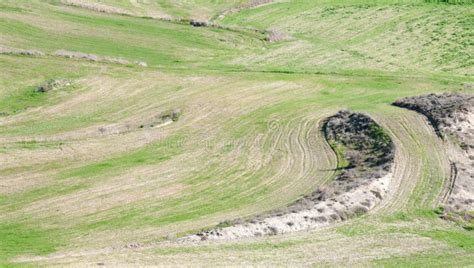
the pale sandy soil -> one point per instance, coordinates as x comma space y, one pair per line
359, 199
460, 194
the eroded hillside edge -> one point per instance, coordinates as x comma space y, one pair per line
452, 117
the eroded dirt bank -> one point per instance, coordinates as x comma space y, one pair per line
365, 158
452, 116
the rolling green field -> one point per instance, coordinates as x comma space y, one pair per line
86, 180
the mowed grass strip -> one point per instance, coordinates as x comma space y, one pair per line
222, 182
160, 43
404, 36
150, 155
18, 239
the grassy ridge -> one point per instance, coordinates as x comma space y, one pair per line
156, 42
246, 142
218, 199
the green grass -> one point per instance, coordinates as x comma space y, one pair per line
396, 37
425, 260
22, 100
30, 97
150, 155
224, 157
17, 201
159, 41
53, 125
20, 239
462, 240
32, 145
184, 9
180, 209
340, 151
9, 8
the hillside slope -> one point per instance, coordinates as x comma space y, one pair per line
118, 159
412, 38
195, 9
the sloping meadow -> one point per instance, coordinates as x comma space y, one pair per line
220, 125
